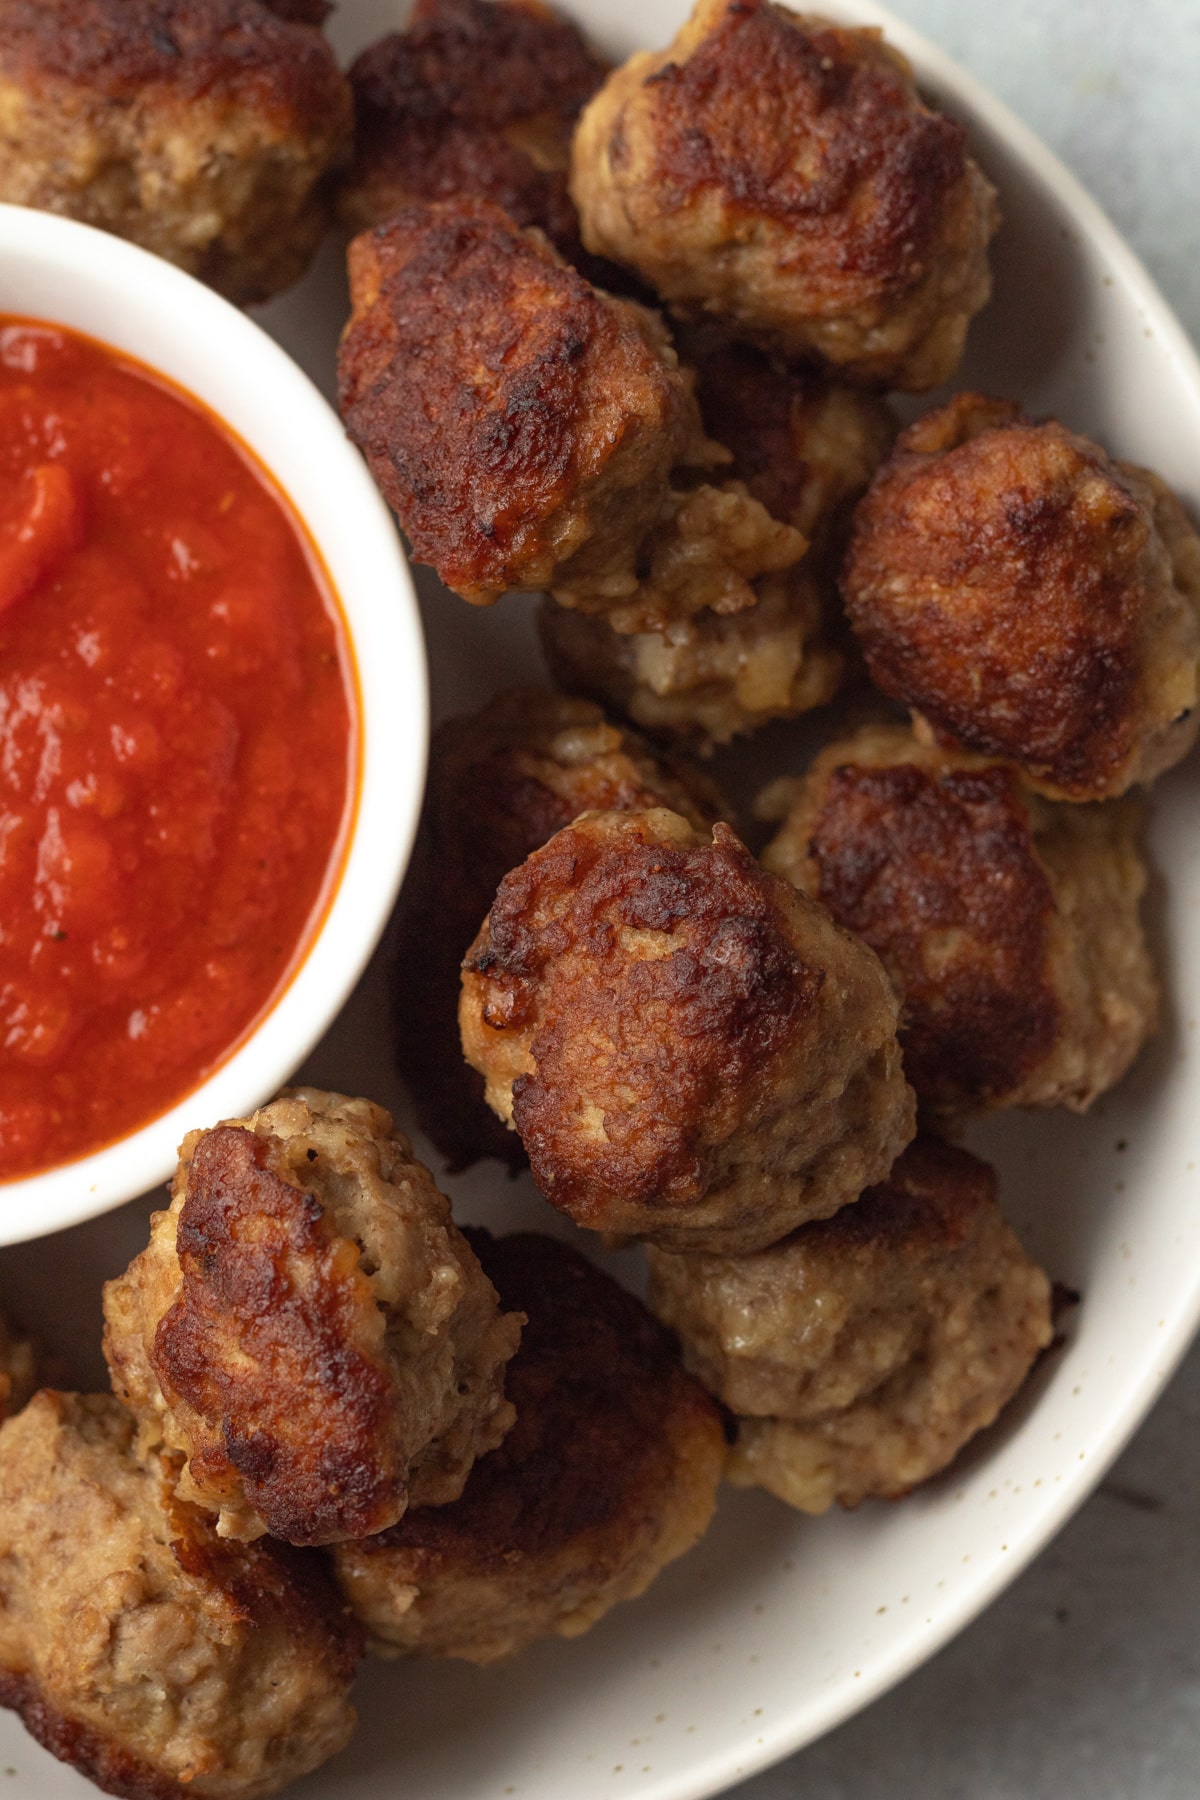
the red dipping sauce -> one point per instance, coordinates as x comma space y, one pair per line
178, 744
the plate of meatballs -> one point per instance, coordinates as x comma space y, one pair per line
751, 1198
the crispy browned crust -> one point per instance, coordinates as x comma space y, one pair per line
254, 1582
492, 391
476, 97
206, 131
863, 1351
805, 448
307, 1331
749, 406
780, 172
705, 679
903, 852
107, 1764
931, 1203
1008, 923
116, 49
501, 782
864, 201
1006, 579
96, 1543
687, 1054
268, 1579
267, 1338
596, 1382
776, 422
613, 1442
661, 1046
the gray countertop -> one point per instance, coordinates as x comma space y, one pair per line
1084, 1679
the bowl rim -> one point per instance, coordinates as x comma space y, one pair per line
253, 386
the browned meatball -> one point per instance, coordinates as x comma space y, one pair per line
780, 171
308, 1328
805, 449
705, 559
523, 425
704, 679
1030, 598
204, 130
805, 445
476, 97
16, 1371
609, 1473
690, 1049
137, 1646
1008, 924
862, 1352
501, 782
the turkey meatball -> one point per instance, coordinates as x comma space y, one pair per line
1030, 598
780, 172
16, 1371
523, 425
204, 130
475, 97
805, 449
690, 1050
805, 445
136, 1645
862, 1352
1008, 923
501, 782
707, 678
308, 1328
703, 560
610, 1472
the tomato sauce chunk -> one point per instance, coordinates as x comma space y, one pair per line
177, 744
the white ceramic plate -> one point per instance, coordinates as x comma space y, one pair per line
778, 1627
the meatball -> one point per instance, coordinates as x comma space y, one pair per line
805, 446
204, 130
17, 1375
523, 425
805, 449
691, 1050
862, 1352
780, 172
501, 782
308, 1328
705, 679
1030, 598
704, 558
135, 1644
476, 97
1008, 923
609, 1473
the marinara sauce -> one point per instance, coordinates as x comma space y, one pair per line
177, 744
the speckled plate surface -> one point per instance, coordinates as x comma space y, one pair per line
778, 1627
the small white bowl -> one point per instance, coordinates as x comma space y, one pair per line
72, 275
